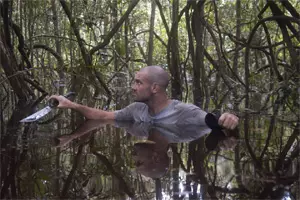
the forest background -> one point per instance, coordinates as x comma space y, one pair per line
238, 56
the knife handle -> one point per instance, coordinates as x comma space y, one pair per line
53, 103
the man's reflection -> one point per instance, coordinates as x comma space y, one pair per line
150, 157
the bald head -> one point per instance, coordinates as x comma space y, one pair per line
157, 74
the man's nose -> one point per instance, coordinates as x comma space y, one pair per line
133, 87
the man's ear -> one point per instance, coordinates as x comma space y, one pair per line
155, 87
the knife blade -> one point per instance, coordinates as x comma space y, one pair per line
53, 103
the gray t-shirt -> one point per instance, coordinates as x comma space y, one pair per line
173, 133
176, 112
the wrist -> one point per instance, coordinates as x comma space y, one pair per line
73, 106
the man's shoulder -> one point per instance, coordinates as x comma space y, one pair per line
181, 105
131, 112
137, 106
189, 113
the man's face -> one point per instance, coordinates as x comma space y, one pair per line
141, 88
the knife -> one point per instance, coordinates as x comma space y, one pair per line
52, 103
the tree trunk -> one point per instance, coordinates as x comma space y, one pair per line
237, 49
198, 62
173, 54
151, 33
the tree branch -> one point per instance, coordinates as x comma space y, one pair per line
287, 147
163, 17
115, 28
72, 172
85, 55
21, 45
129, 191
231, 190
50, 50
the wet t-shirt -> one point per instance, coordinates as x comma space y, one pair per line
173, 133
176, 112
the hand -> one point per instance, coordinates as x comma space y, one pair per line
63, 101
228, 121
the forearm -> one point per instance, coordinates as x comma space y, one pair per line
92, 113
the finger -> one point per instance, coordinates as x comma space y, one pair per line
50, 97
227, 122
233, 123
233, 126
236, 122
53, 96
222, 119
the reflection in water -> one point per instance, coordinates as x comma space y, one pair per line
151, 157
107, 160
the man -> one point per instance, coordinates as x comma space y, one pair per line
151, 104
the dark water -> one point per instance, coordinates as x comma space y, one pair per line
106, 160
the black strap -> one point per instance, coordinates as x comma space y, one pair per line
216, 133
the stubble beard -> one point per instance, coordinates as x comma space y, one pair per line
141, 99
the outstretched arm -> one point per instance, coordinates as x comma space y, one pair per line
88, 112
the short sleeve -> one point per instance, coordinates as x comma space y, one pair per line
191, 114
125, 114
133, 112
200, 117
